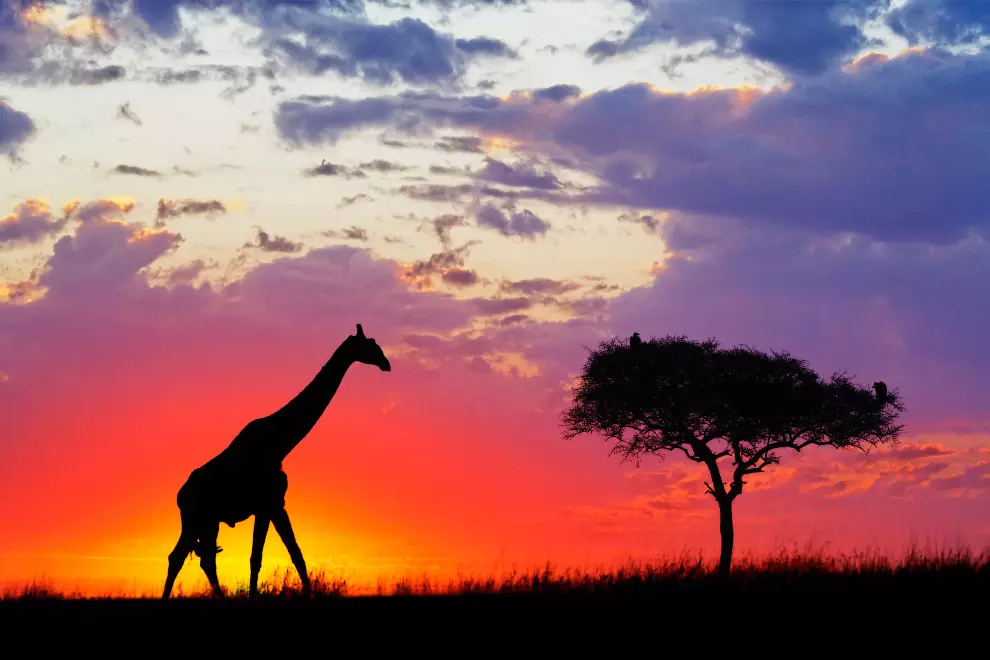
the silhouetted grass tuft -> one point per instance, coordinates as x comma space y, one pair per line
790, 570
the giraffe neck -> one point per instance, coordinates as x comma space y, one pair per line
297, 418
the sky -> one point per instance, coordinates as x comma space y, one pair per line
200, 199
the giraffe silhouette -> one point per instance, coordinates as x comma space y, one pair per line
246, 478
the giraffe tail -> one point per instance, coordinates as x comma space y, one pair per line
199, 550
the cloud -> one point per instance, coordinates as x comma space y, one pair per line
22, 38
16, 128
557, 93
496, 306
407, 50
524, 224
523, 175
466, 144
941, 22
435, 192
324, 120
486, 46
901, 313
30, 222
447, 170
895, 138
174, 208
104, 255
513, 319
440, 261
383, 166
186, 274
767, 153
975, 479
799, 38
100, 210
539, 286
353, 199
41, 44
350, 233
136, 171
267, 243
331, 169
443, 224
421, 272
94, 75
460, 277
97, 285
650, 223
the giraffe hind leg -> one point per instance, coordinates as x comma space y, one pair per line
280, 520
207, 552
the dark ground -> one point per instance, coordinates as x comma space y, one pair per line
859, 621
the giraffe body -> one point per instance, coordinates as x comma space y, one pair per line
246, 479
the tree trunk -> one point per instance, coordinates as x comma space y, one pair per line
725, 527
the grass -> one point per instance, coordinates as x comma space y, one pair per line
788, 570
816, 598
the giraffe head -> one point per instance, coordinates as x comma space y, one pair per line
367, 351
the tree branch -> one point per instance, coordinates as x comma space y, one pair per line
688, 454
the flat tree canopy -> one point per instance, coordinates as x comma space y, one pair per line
739, 406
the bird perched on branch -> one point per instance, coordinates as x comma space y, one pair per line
635, 341
881, 389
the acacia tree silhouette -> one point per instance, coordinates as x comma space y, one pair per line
741, 404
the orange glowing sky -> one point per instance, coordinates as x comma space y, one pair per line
177, 258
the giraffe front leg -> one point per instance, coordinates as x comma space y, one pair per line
208, 557
284, 528
261, 523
